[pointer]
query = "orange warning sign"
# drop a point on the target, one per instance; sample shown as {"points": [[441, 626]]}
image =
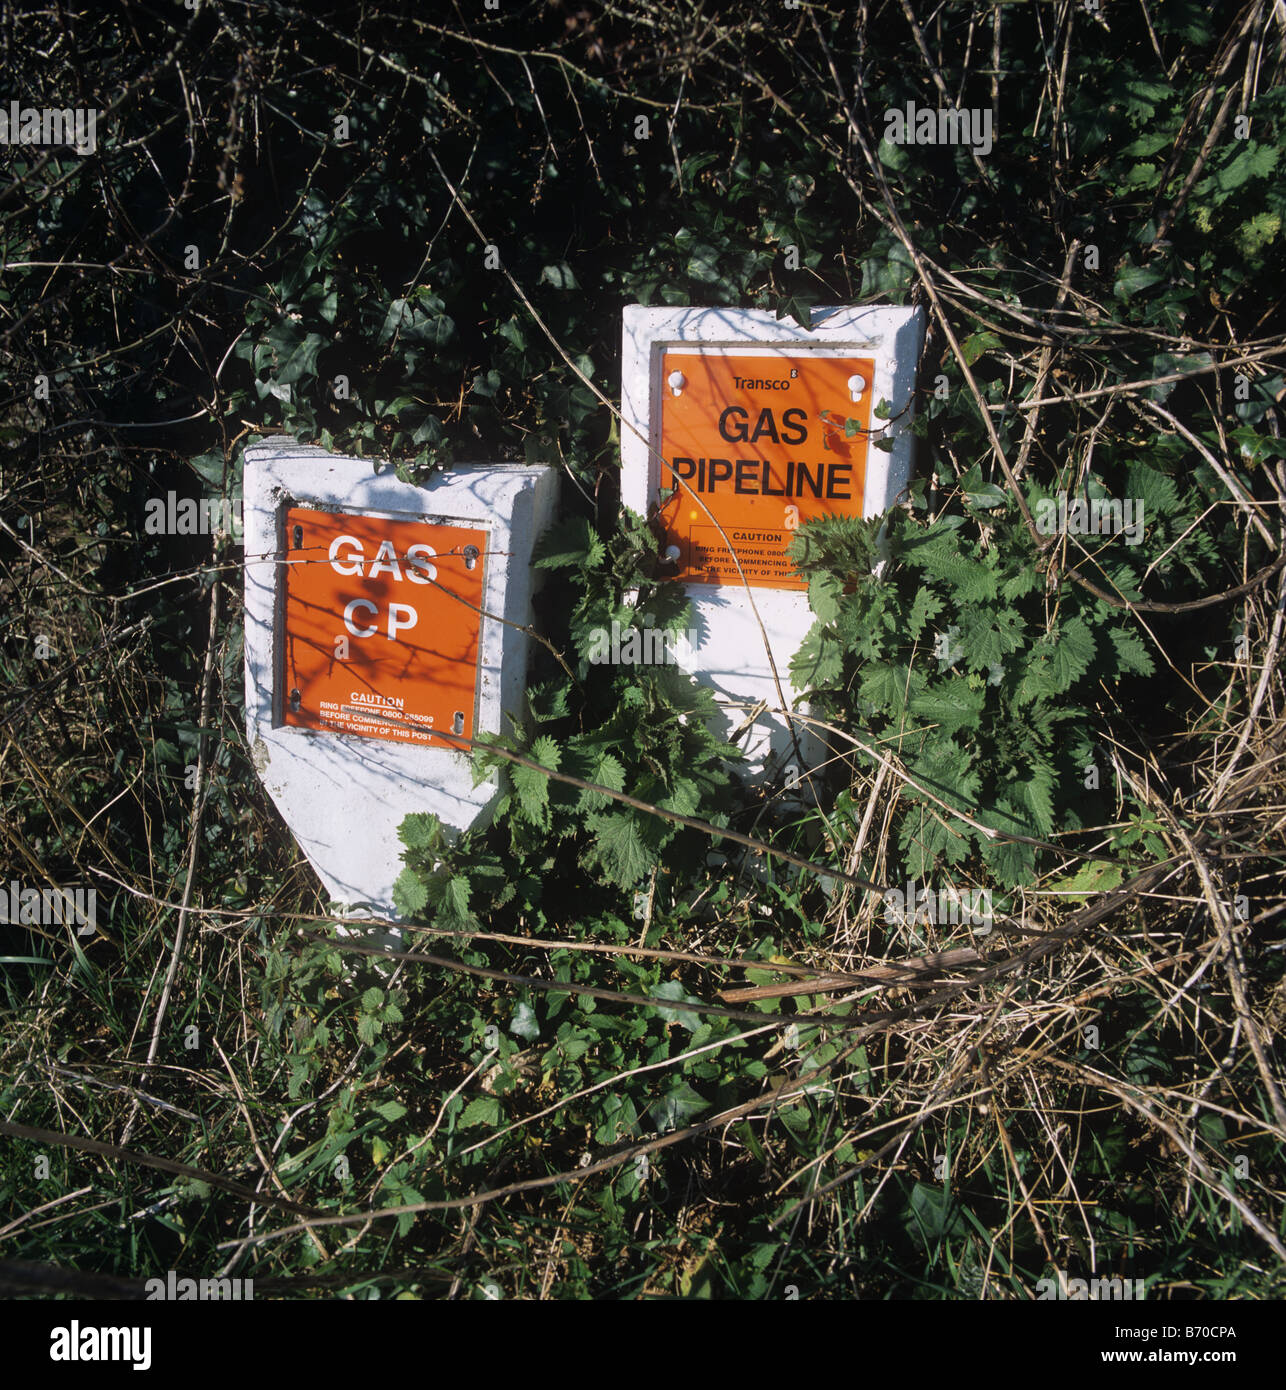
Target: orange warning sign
{"points": [[766, 442], [374, 642]]}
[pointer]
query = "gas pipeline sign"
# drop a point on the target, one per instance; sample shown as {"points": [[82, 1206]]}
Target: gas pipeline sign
{"points": [[765, 442], [382, 626]]}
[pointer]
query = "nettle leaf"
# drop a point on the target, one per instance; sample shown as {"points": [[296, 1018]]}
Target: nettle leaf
{"points": [[453, 904], [888, 686], [532, 787], [1038, 674], [951, 705], [1131, 654], [1147, 145], [620, 847], [421, 830], [573, 542], [1091, 878], [1257, 233], [1020, 583], [409, 894], [485, 1110], [1034, 794], [947, 770], [825, 591], [924, 608], [1070, 653], [973, 581], [1012, 862], [607, 771], [390, 1110], [819, 662], [1254, 162], [684, 798], [926, 836], [1155, 490], [988, 636]]}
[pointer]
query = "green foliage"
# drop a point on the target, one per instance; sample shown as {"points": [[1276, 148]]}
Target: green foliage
{"points": [[342, 293]]}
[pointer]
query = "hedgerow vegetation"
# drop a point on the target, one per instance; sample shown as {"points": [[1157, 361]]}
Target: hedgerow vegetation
{"points": [[621, 1055]]}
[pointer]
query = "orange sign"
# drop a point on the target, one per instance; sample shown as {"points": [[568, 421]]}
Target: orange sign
{"points": [[765, 443], [374, 642]]}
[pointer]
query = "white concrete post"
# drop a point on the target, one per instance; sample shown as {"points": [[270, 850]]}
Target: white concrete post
{"points": [[738, 427], [373, 633]]}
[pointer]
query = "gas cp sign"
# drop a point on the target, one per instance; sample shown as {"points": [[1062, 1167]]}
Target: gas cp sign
{"points": [[758, 443], [382, 626]]}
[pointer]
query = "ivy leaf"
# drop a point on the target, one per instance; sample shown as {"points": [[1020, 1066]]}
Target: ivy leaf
{"points": [[297, 357], [560, 276], [1134, 279], [673, 989], [932, 1214], [976, 344], [679, 1106], [524, 1023]]}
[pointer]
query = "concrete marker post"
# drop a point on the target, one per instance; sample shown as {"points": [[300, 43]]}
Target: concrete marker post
{"points": [[372, 614], [753, 413]]}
